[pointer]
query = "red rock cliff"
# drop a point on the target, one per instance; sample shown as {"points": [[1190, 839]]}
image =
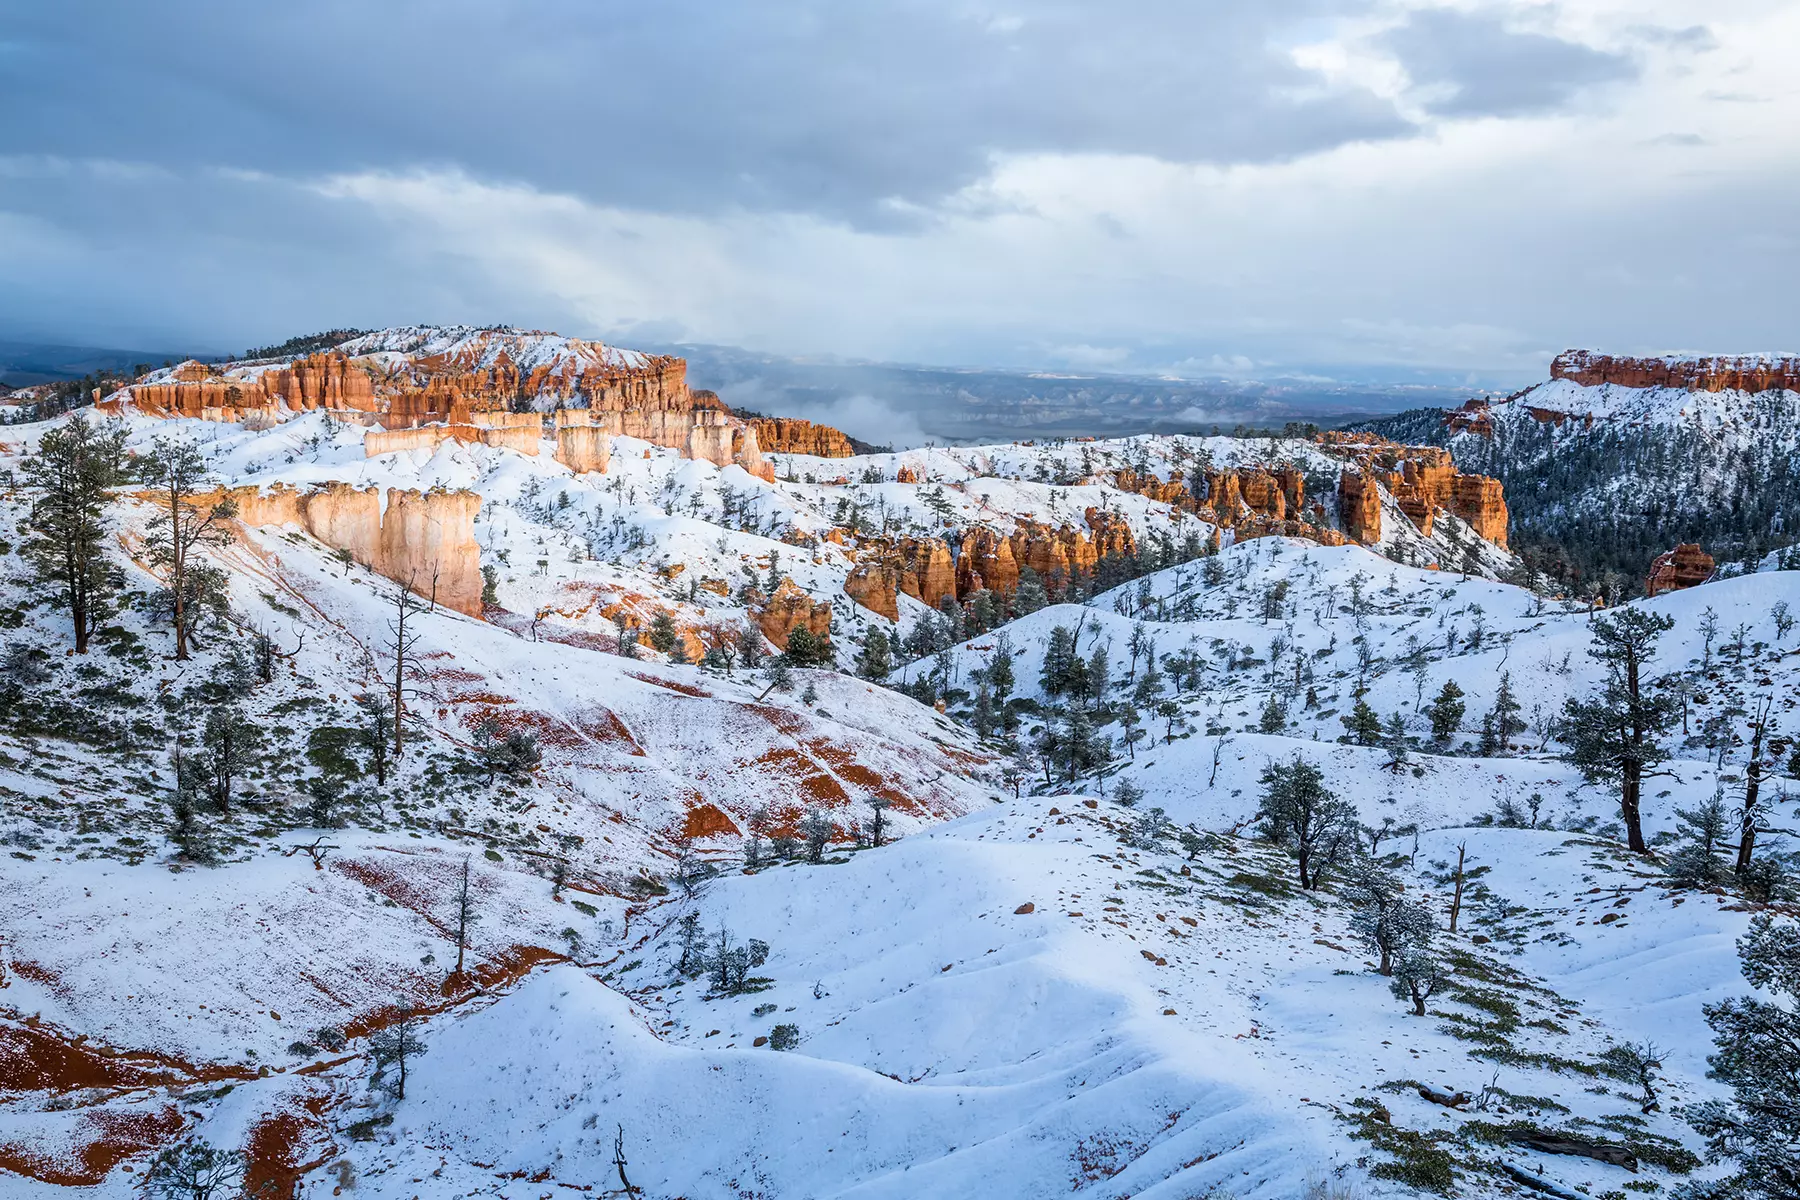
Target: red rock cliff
{"points": [[1718, 373], [790, 435]]}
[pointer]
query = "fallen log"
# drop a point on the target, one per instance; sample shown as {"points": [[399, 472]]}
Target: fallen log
{"points": [[1447, 1099], [1618, 1156], [1539, 1184]]}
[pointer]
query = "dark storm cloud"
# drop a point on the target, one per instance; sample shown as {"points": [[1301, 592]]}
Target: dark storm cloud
{"points": [[1478, 67], [853, 110]]}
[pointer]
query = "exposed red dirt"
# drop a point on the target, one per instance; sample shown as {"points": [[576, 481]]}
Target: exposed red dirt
{"points": [[36, 1057], [704, 820], [102, 1140], [686, 689], [603, 726]]}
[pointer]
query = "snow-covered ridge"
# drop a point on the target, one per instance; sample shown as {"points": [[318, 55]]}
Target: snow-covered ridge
{"points": [[473, 346]]}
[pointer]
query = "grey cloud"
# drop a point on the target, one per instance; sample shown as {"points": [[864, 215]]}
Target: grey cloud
{"points": [[1474, 65], [862, 111]]}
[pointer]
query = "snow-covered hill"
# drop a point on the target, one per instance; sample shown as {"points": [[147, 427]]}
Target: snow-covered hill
{"points": [[1030, 989], [1612, 461]]}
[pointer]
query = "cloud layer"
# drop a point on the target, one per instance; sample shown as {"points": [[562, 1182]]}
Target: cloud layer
{"points": [[1287, 183]]}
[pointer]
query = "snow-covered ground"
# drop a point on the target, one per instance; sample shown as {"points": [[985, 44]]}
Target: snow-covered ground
{"points": [[1015, 997]]}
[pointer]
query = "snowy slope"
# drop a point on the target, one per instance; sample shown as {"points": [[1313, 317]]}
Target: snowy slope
{"points": [[1156, 1022]]}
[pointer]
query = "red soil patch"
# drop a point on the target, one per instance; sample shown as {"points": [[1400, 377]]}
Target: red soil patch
{"points": [[804, 773], [103, 1139], [844, 763], [273, 1153], [35, 1057], [603, 726], [408, 893], [37, 973], [686, 689], [703, 820], [499, 970]]}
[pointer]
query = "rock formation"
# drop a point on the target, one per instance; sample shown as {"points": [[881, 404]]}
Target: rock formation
{"points": [[1746, 372], [466, 384], [985, 561], [424, 540], [790, 435], [1421, 479], [874, 583], [1686, 566], [790, 608], [1359, 507]]}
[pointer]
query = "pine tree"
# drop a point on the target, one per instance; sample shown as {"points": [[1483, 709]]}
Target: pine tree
{"points": [[1393, 739], [73, 474], [1616, 736], [1446, 713], [1299, 812], [1059, 661], [1363, 724], [1387, 922], [1030, 595], [1418, 975], [876, 661], [1704, 832], [1000, 668], [1504, 723], [1759, 1056], [1274, 716], [394, 1047], [662, 634]]}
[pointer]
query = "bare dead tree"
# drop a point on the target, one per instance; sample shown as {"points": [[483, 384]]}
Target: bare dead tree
{"points": [[1750, 815], [625, 1187], [1459, 878], [465, 914], [316, 851], [266, 653], [185, 525], [402, 643]]}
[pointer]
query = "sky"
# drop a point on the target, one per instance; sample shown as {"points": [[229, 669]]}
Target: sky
{"points": [[1331, 188]]}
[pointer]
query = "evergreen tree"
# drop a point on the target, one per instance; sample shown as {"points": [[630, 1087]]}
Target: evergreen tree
{"points": [[1030, 595], [1446, 713], [1504, 723], [227, 746], [1418, 975], [1362, 724], [663, 635], [1274, 716], [73, 474], [1393, 739], [1616, 736], [1386, 921], [1299, 812], [394, 1047], [984, 718], [808, 649], [1704, 832], [1059, 661], [1759, 1056], [876, 662], [1000, 668]]}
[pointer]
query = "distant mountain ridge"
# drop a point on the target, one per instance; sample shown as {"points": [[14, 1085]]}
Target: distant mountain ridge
{"points": [[1613, 460]]}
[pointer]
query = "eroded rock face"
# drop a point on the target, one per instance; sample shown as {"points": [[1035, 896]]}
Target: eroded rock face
{"points": [[465, 385], [790, 435], [875, 584], [1718, 373], [985, 561], [423, 540], [1686, 566], [790, 608], [1359, 507], [1422, 480]]}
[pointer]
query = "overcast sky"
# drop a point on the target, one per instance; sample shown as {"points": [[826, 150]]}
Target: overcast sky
{"points": [[1199, 186]]}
